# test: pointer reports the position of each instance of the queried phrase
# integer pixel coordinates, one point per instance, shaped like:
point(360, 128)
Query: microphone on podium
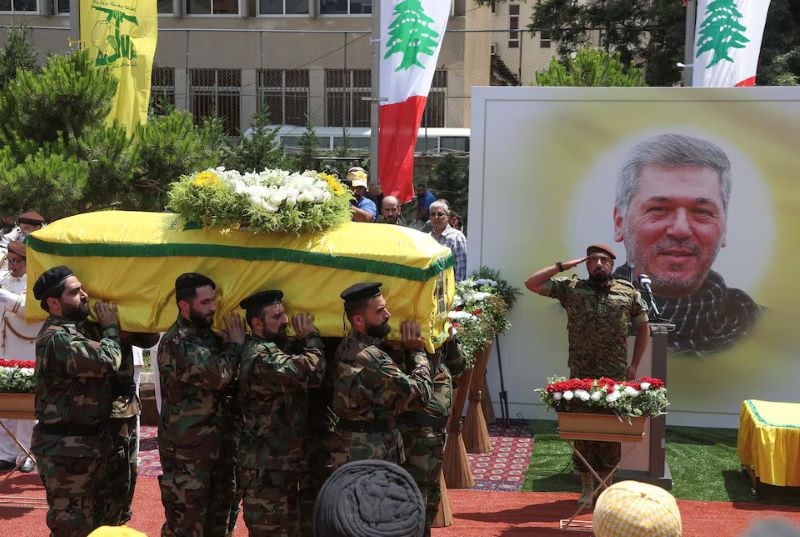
point(644, 283)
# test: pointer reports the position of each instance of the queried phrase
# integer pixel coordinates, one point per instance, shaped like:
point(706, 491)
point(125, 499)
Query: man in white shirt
point(17, 342)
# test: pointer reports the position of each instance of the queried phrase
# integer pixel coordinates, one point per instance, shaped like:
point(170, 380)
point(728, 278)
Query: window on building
point(434, 115)
point(61, 7)
point(513, 24)
point(283, 7)
point(345, 7)
point(164, 7)
point(162, 90)
point(344, 93)
point(18, 6)
point(544, 39)
point(212, 7)
point(216, 93)
point(285, 93)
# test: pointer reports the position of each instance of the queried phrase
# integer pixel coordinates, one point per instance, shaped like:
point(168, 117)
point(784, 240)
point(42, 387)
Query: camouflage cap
point(48, 282)
point(601, 247)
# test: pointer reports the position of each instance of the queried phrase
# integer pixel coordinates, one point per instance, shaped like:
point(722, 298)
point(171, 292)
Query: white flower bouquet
point(269, 201)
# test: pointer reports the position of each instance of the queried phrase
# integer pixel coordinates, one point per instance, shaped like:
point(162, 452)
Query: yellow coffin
point(133, 258)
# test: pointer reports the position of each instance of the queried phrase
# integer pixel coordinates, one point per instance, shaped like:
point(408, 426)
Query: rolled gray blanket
point(369, 498)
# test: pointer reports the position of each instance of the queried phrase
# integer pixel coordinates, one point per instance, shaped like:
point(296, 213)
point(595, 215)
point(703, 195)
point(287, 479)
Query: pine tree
point(17, 54)
point(258, 150)
point(308, 147)
point(590, 68)
point(721, 31)
point(410, 34)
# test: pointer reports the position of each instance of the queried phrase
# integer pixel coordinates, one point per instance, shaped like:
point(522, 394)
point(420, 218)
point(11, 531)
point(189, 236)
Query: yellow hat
point(116, 531)
point(633, 509)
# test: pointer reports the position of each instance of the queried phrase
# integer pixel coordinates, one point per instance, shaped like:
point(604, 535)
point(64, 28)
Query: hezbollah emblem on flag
point(121, 35)
point(112, 38)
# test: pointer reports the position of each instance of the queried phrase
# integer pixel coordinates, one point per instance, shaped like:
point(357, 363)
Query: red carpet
point(476, 513)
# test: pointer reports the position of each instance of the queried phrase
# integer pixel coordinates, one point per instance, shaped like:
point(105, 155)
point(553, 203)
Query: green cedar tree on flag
point(411, 38)
point(727, 42)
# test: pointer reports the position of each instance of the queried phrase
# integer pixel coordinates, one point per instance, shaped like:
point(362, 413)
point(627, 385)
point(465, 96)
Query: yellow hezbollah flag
point(122, 35)
point(132, 258)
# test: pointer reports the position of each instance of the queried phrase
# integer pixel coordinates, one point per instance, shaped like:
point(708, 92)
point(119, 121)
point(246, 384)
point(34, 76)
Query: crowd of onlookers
point(433, 215)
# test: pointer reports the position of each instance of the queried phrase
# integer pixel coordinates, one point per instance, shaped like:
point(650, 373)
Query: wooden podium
point(645, 461)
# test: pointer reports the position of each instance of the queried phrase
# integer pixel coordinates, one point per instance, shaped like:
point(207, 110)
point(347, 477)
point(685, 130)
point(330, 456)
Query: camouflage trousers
point(357, 446)
point(602, 456)
point(72, 486)
point(116, 490)
point(311, 480)
point(424, 451)
point(271, 500)
point(197, 495)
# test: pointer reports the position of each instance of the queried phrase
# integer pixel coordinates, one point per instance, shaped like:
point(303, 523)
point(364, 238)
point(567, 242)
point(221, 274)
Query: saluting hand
point(411, 336)
point(107, 314)
point(574, 263)
point(234, 328)
point(303, 324)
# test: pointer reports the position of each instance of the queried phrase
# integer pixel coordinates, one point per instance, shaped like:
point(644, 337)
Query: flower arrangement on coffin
point(643, 397)
point(479, 312)
point(269, 201)
point(16, 376)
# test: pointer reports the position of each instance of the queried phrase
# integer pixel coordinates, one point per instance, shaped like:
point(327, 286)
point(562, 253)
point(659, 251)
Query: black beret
point(261, 299)
point(361, 291)
point(193, 280)
point(600, 247)
point(47, 283)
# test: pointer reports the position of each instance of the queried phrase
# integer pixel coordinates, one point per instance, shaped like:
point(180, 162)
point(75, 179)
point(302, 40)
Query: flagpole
point(375, 42)
point(688, 53)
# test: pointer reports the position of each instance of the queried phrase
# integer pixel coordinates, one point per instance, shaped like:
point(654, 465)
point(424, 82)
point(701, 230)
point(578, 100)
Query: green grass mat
point(703, 462)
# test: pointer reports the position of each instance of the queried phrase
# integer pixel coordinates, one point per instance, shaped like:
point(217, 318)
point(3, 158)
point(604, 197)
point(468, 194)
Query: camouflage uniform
point(597, 322)
point(116, 490)
point(423, 429)
point(369, 391)
point(197, 484)
point(74, 392)
point(272, 397)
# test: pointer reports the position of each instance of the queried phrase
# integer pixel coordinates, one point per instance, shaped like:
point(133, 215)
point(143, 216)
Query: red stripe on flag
point(747, 82)
point(399, 125)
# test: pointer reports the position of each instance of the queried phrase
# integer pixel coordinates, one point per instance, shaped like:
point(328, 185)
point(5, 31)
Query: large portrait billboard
point(696, 188)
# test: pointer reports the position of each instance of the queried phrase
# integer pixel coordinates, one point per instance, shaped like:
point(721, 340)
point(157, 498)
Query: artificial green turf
point(703, 462)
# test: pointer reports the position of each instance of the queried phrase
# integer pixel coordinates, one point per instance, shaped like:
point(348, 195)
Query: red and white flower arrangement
point(646, 396)
point(16, 376)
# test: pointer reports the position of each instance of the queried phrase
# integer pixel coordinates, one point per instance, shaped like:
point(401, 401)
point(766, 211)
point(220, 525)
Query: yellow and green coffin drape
point(133, 258)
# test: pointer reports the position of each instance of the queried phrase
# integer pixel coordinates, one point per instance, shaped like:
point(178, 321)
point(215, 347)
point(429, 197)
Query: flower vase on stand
point(457, 473)
point(476, 433)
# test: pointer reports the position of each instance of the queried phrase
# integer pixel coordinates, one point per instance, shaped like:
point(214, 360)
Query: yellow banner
point(122, 35)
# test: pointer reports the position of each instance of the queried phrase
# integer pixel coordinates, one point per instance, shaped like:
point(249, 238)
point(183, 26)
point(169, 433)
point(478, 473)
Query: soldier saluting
point(599, 310)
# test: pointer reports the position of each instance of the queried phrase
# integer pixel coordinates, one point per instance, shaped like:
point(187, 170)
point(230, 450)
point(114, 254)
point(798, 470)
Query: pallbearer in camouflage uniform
point(196, 365)
point(74, 392)
point(370, 389)
point(272, 399)
point(599, 311)
point(423, 428)
point(122, 467)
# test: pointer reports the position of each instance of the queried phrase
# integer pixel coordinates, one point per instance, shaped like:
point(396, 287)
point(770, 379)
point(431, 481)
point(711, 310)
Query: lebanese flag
point(412, 32)
point(727, 42)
